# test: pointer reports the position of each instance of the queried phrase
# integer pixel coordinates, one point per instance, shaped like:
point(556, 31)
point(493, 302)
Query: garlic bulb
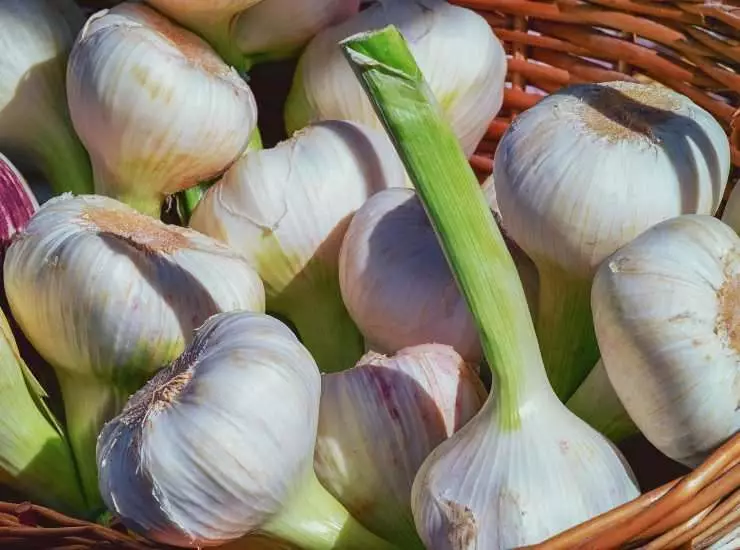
point(264, 33)
point(257, 473)
point(17, 202)
point(665, 311)
point(585, 171)
point(211, 19)
point(34, 456)
point(108, 295)
point(596, 402)
point(378, 422)
point(35, 129)
point(156, 107)
point(458, 53)
point(395, 280)
point(501, 481)
point(286, 209)
point(731, 214)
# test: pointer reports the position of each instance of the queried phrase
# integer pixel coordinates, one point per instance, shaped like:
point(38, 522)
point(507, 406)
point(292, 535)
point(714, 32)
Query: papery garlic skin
point(107, 295)
point(396, 282)
point(35, 126)
point(585, 171)
point(17, 202)
point(35, 458)
point(378, 422)
point(264, 33)
point(286, 210)
point(461, 58)
point(247, 393)
point(221, 395)
point(665, 311)
point(155, 106)
point(488, 487)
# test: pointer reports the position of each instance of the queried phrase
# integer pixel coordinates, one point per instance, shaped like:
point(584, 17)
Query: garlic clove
point(107, 296)
point(263, 32)
point(396, 282)
point(494, 488)
point(463, 61)
point(665, 308)
point(155, 106)
point(35, 458)
point(211, 19)
point(286, 209)
point(379, 420)
point(36, 37)
point(585, 171)
point(205, 453)
point(596, 402)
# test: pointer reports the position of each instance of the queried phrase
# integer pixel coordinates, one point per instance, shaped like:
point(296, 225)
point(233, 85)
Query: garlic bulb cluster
point(156, 107)
point(665, 311)
point(211, 19)
point(584, 172)
point(264, 33)
point(34, 455)
point(107, 295)
point(461, 58)
point(396, 282)
point(286, 209)
point(36, 37)
point(378, 422)
point(219, 396)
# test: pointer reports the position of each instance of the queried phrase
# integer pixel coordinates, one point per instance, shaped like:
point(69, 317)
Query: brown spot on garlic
point(728, 317)
point(141, 231)
point(626, 111)
point(462, 530)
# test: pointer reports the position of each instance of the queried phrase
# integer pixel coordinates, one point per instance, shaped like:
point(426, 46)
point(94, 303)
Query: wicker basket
point(692, 47)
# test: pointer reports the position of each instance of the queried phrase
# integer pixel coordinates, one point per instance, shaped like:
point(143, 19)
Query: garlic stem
point(468, 231)
point(596, 402)
point(565, 302)
point(315, 520)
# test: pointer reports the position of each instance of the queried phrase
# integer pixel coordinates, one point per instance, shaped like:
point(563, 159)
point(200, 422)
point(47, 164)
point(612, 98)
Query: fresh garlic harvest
point(378, 422)
point(286, 209)
point(36, 37)
point(264, 33)
point(460, 57)
point(155, 106)
point(665, 311)
point(596, 402)
point(211, 19)
point(395, 280)
point(35, 458)
point(108, 295)
point(585, 171)
point(247, 393)
point(501, 480)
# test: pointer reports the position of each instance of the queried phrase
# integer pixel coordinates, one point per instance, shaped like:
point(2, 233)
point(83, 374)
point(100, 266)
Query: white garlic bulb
point(211, 19)
point(220, 444)
point(286, 209)
point(155, 106)
point(585, 171)
point(36, 37)
point(107, 295)
point(462, 60)
point(380, 420)
point(396, 282)
point(264, 33)
point(665, 311)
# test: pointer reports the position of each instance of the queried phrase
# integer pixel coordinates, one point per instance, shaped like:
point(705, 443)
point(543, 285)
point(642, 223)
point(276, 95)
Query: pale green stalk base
point(457, 208)
point(106, 184)
point(88, 404)
point(597, 403)
point(323, 324)
point(315, 520)
point(565, 328)
point(297, 110)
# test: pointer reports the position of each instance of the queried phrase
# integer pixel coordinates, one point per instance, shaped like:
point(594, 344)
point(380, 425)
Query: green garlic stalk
point(500, 481)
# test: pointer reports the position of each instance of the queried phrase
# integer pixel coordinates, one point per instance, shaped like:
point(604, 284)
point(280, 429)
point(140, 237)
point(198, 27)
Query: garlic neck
point(139, 198)
point(315, 520)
